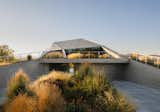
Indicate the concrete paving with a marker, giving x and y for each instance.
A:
(2, 95)
(145, 99)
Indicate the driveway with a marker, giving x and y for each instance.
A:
(2, 95)
(146, 99)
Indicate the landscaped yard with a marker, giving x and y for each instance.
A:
(85, 91)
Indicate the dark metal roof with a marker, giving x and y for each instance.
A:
(73, 44)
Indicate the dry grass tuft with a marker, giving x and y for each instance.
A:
(117, 102)
(89, 55)
(17, 84)
(143, 58)
(22, 103)
(55, 75)
(104, 56)
(75, 55)
(51, 78)
(50, 99)
(54, 55)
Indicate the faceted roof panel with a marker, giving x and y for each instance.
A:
(73, 44)
(79, 43)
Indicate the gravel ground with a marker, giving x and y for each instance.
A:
(2, 95)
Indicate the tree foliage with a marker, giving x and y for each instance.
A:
(6, 54)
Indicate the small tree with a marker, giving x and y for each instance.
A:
(6, 54)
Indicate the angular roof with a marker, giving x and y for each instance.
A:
(79, 43)
(73, 44)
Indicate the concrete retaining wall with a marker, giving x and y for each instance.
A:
(32, 68)
(134, 71)
(113, 71)
(143, 74)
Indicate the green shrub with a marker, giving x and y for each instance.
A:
(95, 90)
(73, 93)
(18, 84)
(83, 71)
(90, 81)
(94, 85)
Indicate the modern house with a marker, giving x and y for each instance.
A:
(80, 46)
(61, 54)
(118, 68)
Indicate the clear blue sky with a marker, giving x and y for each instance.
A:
(123, 25)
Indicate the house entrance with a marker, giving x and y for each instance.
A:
(58, 67)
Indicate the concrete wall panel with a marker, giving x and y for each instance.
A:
(143, 74)
(32, 68)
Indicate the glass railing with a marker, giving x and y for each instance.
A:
(78, 55)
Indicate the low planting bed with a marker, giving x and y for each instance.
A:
(85, 91)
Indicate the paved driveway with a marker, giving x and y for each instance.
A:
(146, 99)
(2, 95)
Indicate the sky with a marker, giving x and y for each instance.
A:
(123, 25)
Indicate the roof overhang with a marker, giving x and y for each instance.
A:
(103, 61)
